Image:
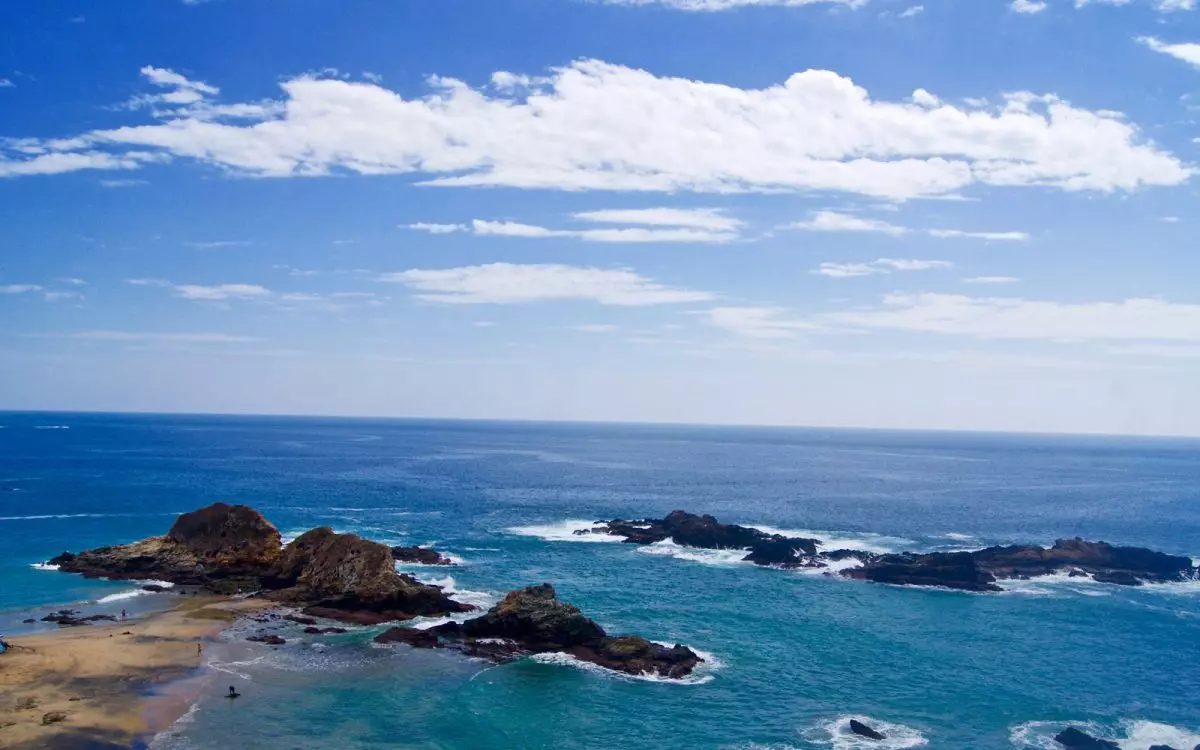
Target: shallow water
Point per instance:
(799, 653)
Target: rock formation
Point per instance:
(420, 555)
(1078, 740)
(862, 730)
(226, 549)
(533, 620)
(1106, 563)
(954, 570)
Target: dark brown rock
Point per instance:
(314, 630)
(952, 570)
(300, 619)
(54, 717)
(270, 640)
(1117, 564)
(411, 636)
(636, 655)
(535, 617)
(1118, 577)
(862, 730)
(27, 704)
(420, 555)
(1078, 740)
(155, 588)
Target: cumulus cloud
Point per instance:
(1188, 52)
(833, 221)
(913, 10)
(883, 265)
(1028, 6)
(436, 228)
(593, 125)
(1143, 319)
(509, 283)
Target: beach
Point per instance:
(109, 684)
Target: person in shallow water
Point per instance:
(233, 693)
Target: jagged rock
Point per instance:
(534, 620)
(54, 717)
(229, 549)
(270, 640)
(862, 730)
(952, 570)
(1105, 562)
(420, 555)
(412, 636)
(314, 630)
(1078, 740)
(27, 621)
(1161, 747)
(301, 620)
(353, 579)
(71, 618)
(155, 588)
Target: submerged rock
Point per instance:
(1078, 740)
(420, 555)
(862, 730)
(232, 548)
(533, 620)
(952, 570)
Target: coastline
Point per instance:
(116, 683)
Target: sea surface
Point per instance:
(791, 655)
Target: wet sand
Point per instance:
(115, 683)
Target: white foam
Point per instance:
(832, 567)
(568, 660)
(720, 557)
(133, 593)
(830, 540)
(51, 427)
(1130, 734)
(958, 537)
(484, 600)
(563, 531)
(232, 667)
(836, 733)
(45, 566)
(63, 515)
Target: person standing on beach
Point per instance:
(199, 649)
(122, 614)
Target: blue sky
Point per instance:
(882, 213)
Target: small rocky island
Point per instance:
(228, 549)
(533, 621)
(970, 571)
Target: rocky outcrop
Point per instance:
(270, 640)
(343, 573)
(707, 532)
(1129, 566)
(231, 548)
(952, 570)
(533, 620)
(420, 556)
(71, 618)
(1076, 739)
(862, 730)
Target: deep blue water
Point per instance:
(796, 651)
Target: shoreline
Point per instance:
(117, 684)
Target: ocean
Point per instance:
(792, 655)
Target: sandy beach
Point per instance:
(109, 685)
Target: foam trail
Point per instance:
(836, 733)
(567, 660)
(831, 540)
(51, 427)
(563, 531)
(133, 593)
(1142, 734)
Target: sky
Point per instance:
(929, 214)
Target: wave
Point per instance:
(51, 427)
(719, 557)
(121, 596)
(1130, 734)
(1061, 583)
(45, 566)
(484, 600)
(695, 678)
(880, 544)
(958, 537)
(836, 733)
(562, 531)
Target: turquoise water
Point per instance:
(794, 653)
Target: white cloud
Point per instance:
(60, 296)
(5, 83)
(221, 291)
(594, 328)
(1170, 219)
(597, 126)
(1164, 6)
(911, 11)
(509, 283)
(19, 288)
(991, 280)
(73, 281)
(883, 265)
(121, 183)
(719, 5)
(713, 219)
(484, 324)
(759, 322)
(833, 221)
(213, 245)
(1016, 318)
(436, 228)
(623, 234)
(1188, 52)
(1001, 236)
(1028, 6)
(61, 162)
(372, 77)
